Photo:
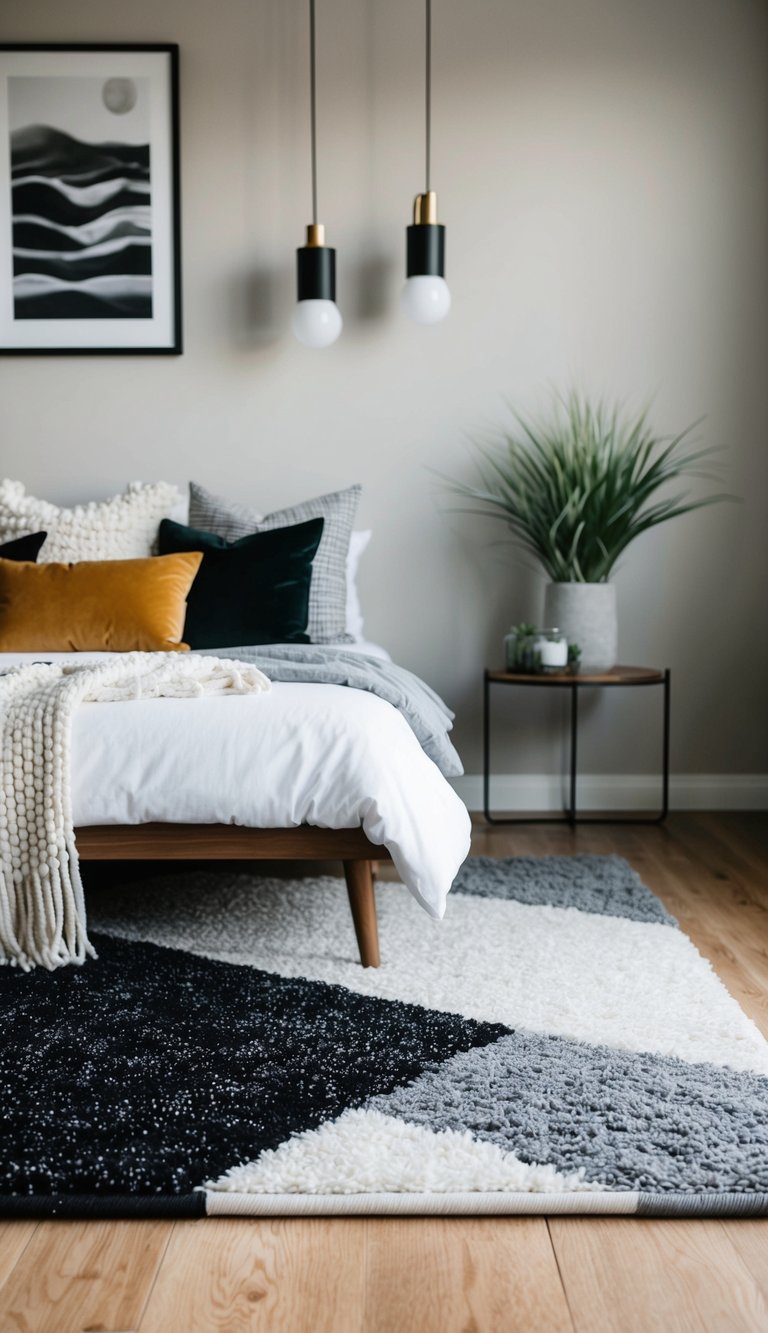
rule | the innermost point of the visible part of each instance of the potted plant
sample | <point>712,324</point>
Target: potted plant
<point>576,490</point>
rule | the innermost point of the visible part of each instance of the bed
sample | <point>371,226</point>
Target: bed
<point>307,771</point>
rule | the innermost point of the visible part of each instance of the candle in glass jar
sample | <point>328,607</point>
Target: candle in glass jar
<point>552,652</point>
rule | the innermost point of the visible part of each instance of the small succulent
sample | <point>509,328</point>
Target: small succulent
<point>522,655</point>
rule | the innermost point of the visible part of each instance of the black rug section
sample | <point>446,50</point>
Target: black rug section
<point>149,1071</point>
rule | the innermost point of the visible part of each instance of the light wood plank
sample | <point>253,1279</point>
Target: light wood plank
<point>77,1276</point>
<point>459,1274</point>
<point>734,887</point>
<point>727,842</point>
<point>749,1238</point>
<point>14,1238</point>
<point>638,1275</point>
<point>292,1276</point>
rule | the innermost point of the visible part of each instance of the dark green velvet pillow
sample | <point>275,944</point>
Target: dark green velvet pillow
<point>23,548</point>
<point>255,590</point>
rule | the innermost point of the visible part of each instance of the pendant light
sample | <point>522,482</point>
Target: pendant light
<point>316,318</point>
<point>426,297</point>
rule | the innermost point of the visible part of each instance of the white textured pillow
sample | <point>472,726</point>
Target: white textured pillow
<point>122,528</point>
<point>180,511</point>
<point>357,544</point>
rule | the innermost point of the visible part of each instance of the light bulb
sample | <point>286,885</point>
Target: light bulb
<point>316,323</point>
<point>426,298</point>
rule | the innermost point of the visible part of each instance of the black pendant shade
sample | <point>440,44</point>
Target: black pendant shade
<point>315,268</point>
<point>425,249</point>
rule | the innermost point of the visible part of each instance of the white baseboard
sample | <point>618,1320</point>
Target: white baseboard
<point>618,791</point>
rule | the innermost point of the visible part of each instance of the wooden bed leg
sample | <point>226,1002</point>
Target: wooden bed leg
<point>363,904</point>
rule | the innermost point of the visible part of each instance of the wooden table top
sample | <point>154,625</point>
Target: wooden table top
<point>618,675</point>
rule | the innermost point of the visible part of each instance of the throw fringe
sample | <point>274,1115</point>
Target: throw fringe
<point>42,905</point>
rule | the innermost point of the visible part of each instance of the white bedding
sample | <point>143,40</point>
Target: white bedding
<point>325,755</point>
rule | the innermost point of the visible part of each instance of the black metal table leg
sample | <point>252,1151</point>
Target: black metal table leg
<point>574,754</point>
<point>493,819</point>
<point>486,751</point>
<point>665,759</point>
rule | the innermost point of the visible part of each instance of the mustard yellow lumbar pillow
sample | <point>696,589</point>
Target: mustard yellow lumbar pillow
<point>115,606</point>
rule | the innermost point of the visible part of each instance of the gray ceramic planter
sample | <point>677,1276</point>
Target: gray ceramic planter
<point>586,613</point>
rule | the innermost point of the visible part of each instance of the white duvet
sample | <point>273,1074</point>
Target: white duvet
<point>325,755</point>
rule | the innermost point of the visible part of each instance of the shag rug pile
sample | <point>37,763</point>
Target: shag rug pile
<point>555,1045</point>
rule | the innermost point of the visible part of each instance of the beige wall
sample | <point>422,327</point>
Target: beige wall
<point>602,171</point>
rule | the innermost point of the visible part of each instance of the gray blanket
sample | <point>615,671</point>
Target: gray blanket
<point>424,711</point>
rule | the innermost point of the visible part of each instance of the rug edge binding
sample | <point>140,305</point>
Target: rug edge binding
<point>220,1203</point>
<point>605,1203</point>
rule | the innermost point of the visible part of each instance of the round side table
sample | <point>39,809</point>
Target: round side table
<point>617,677</point>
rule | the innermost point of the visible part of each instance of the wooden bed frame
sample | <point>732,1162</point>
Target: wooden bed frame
<point>225,842</point>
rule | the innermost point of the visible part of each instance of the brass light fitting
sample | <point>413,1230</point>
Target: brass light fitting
<point>315,234</point>
<point>425,209</point>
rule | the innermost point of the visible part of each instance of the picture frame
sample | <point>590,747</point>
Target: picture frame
<point>90,225</point>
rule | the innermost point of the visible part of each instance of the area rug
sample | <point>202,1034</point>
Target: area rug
<point>555,1045</point>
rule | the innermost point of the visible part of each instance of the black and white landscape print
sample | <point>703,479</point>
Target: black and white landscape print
<point>81,198</point>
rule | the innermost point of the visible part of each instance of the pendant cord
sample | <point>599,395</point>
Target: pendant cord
<point>313,106</point>
<point>428,91</point>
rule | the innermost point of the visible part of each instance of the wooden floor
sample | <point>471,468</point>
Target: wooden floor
<point>458,1275</point>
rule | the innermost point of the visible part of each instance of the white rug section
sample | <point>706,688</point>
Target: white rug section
<point>366,1152</point>
<point>599,979</point>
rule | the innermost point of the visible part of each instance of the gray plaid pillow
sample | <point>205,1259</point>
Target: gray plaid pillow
<point>328,591</point>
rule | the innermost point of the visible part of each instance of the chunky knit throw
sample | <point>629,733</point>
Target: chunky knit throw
<point>42,906</point>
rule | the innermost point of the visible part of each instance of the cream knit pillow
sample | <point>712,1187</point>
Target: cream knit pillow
<point>122,528</point>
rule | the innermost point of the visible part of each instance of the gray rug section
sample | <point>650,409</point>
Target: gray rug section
<point>605,885</point>
<point>633,1122</point>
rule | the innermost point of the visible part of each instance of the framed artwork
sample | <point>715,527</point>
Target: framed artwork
<point>90,237</point>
